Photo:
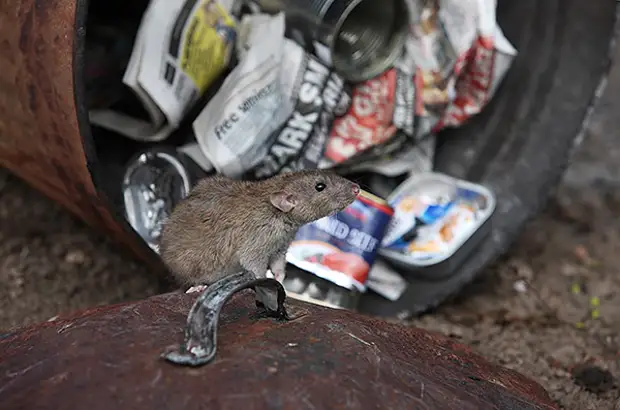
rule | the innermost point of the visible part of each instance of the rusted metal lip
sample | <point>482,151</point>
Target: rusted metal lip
<point>199,346</point>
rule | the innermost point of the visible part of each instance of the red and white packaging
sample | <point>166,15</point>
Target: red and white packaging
<point>460,55</point>
<point>485,65</point>
<point>379,107</point>
<point>454,59</point>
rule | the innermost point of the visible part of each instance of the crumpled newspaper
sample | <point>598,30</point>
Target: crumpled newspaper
<point>283,107</point>
<point>275,109</point>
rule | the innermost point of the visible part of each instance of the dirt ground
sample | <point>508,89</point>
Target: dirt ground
<point>548,307</point>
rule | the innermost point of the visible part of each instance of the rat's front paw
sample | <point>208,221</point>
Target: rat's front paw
<point>279,276</point>
<point>278,269</point>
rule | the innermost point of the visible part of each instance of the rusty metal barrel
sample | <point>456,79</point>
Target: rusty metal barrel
<point>109,357</point>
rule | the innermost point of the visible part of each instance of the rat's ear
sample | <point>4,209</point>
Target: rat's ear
<point>283,201</point>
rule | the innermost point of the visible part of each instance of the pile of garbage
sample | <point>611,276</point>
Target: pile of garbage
<point>273,86</point>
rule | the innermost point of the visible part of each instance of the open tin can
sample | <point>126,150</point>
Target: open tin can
<point>155,180</point>
<point>365,37</point>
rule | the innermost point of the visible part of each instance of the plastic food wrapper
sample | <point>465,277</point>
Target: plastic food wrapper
<point>181,48</point>
<point>380,107</point>
<point>274,111</point>
<point>460,55</point>
<point>437,221</point>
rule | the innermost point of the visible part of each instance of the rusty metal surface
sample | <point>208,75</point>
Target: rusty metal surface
<point>109,357</point>
<point>40,129</point>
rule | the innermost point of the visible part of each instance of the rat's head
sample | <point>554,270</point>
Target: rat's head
<point>310,195</point>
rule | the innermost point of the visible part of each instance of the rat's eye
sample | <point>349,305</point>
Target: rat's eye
<point>320,186</point>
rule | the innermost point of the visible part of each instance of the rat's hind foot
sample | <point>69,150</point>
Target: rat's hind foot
<point>194,289</point>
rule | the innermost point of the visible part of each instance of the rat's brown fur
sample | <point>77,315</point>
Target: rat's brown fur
<point>225,225</point>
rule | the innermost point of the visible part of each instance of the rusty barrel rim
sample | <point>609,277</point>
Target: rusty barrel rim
<point>139,246</point>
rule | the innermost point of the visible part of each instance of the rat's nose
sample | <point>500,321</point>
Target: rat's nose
<point>356,189</point>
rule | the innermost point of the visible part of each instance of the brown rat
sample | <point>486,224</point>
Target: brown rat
<point>225,225</point>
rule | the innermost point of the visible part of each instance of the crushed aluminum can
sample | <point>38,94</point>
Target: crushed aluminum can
<point>340,249</point>
<point>154,182</point>
<point>438,221</point>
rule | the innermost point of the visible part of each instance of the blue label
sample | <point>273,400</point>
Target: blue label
<point>433,213</point>
<point>358,229</point>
